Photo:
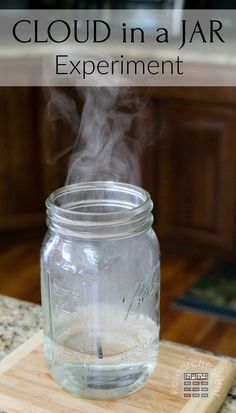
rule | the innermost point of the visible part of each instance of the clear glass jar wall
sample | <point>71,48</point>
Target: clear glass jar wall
<point>100,289</point>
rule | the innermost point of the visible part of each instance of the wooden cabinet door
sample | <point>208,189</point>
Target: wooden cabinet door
<point>21,192</point>
<point>25,177</point>
<point>196,174</point>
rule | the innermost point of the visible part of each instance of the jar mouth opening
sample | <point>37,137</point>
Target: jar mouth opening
<point>98,199</point>
<point>99,209</point>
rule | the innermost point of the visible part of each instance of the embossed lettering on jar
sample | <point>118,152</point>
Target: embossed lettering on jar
<point>100,289</point>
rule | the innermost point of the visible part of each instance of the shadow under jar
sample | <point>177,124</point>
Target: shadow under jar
<point>100,289</point>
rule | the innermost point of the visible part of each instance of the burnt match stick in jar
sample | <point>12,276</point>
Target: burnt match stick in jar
<point>96,319</point>
<point>99,350</point>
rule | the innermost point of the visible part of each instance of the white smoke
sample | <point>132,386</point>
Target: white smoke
<point>102,146</point>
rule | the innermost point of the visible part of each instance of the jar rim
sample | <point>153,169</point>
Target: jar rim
<point>134,215</point>
<point>109,185</point>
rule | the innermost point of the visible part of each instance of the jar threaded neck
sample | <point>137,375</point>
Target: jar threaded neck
<point>99,210</point>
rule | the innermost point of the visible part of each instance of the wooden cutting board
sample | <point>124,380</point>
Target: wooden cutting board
<point>27,387</point>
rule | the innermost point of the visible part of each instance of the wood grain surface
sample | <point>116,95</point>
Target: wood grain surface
<point>27,387</point>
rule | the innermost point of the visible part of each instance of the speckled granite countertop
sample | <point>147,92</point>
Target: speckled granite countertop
<point>19,320</point>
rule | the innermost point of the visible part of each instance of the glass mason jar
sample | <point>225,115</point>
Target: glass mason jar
<point>100,289</point>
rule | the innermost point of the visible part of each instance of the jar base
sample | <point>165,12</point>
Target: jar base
<point>97,382</point>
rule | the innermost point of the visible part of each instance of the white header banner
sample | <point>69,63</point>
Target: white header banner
<point>117,47</point>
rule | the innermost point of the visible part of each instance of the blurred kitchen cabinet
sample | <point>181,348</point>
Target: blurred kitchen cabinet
<point>193,174</point>
<point>189,165</point>
<point>25,179</point>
